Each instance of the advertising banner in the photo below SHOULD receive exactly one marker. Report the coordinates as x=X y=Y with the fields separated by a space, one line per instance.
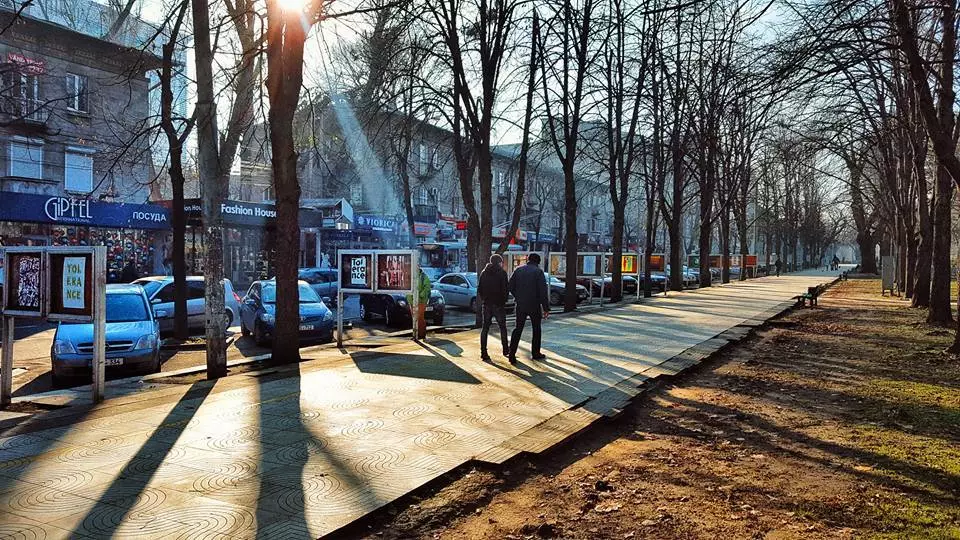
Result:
x=356 y=271
x=558 y=264
x=629 y=263
x=23 y=283
x=394 y=271
x=588 y=264
x=658 y=263
x=751 y=260
x=71 y=284
x=28 y=207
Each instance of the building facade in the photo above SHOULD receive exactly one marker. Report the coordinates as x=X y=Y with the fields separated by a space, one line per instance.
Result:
x=74 y=166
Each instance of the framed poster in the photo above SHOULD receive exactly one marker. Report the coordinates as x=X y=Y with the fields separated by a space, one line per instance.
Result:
x=588 y=264
x=357 y=270
x=71 y=285
x=394 y=271
x=23 y=282
x=657 y=263
x=629 y=264
x=558 y=264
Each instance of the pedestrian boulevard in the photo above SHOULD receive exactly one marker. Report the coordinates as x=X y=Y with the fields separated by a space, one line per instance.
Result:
x=301 y=451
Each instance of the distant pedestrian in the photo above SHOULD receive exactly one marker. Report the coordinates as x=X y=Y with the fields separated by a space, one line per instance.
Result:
x=423 y=298
x=492 y=290
x=778 y=265
x=129 y=273
x=529 y=287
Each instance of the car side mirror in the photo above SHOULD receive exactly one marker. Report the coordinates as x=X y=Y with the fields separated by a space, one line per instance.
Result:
x=160 y=313
x=156 y=301
x=326 y=300
x=250 y=301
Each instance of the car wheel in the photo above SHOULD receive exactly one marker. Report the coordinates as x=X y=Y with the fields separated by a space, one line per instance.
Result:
x=243 y=329
x=364 y=314
x=438 y=320
x=258 y=336
x=57 y=381
x=473 y=305
x=555 y=298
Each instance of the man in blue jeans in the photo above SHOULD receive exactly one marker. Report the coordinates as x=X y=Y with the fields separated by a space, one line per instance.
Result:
x=492 y=292
x=529 y=287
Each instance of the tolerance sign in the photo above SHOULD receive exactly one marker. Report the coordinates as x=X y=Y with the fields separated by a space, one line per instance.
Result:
x=358 y=271
x=74 y=277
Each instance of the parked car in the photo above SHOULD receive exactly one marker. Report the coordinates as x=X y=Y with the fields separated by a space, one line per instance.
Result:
x=159 y=290
x=690 y=279
x=558 y=288
x=133 y=337
x=630 y=285
x=393 y=309
x=459 y=289
x=324 y=281
x=258 y=313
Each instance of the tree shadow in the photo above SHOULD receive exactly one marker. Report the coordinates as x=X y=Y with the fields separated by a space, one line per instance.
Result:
x=127 y=487
x=435 y=367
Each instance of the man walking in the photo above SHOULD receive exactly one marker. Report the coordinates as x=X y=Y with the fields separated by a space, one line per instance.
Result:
x=492 y=292
x=778 y=266
x=529 y=288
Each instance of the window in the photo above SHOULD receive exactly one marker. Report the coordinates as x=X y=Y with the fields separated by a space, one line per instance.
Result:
x=22 y=95
x=165 y=294
x=557 y=220
x=422 y=165
x=77 y=92
x=78 y=170
x=195 y=290
x=501 y=183
x=456 y=207
x=268 y=193
x=423 y=197
x=126 y=308
x=594 y=224
x=356 y=194
x=26 y=158
x=437 y=160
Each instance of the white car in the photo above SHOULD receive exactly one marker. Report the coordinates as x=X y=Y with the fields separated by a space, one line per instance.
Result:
x=159 y=290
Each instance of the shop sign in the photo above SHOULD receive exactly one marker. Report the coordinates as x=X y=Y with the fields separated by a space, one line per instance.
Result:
x=376 y=223
x=424 y=229
x=28 y=207
x=25 y=65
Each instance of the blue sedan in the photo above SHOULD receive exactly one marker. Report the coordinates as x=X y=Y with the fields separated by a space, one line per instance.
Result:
x=133 y=337
x=258 y=313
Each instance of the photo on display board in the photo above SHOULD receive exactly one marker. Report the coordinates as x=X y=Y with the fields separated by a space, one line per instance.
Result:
x=590 y=265
x=25 y=281
x=394 y=272
x=558 y=264
x=356 y=271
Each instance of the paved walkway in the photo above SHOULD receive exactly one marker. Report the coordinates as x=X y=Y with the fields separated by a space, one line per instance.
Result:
x=299 y=452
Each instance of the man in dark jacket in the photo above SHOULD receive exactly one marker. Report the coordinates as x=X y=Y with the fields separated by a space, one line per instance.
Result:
x=492 y=292
x=529 y=287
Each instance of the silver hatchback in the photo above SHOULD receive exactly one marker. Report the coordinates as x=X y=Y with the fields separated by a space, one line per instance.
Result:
x=159 y=290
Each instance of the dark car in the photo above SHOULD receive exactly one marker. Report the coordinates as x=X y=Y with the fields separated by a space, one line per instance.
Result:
x=324 y=281
x=258 y=313
x=393 y=310
x=630 y=285
x=558 y=289
x=133 y=338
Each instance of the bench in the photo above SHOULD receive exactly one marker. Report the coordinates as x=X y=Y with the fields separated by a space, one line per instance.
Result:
x=811 y=296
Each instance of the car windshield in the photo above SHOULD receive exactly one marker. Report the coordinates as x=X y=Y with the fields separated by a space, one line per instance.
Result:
x=472 y=278
x=307 y=295
x=149 y=286
x=126 y=307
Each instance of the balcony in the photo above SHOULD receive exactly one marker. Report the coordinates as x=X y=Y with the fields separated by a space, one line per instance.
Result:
x=24 y=110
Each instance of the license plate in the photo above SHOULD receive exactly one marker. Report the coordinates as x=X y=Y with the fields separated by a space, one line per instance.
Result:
x=304 y=327
x=114 y=362
x=429 y=308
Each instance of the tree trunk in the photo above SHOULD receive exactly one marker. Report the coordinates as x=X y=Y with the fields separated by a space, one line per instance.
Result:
x=212 y=191
x=570 y=240
x=940 y=279
x=286 y=34
x=725 y=247
x=178 y=220
x=706 y=239
x=616 y=270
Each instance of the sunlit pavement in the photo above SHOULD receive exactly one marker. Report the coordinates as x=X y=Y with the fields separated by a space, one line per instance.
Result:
x=301 y=451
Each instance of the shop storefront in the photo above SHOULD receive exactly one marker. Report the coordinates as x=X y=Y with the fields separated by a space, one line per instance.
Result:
x=131 y=232
x=248 y=239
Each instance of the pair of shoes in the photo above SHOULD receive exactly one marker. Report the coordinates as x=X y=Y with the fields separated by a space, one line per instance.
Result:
x=485 y=357
x=539 y=357
x=513 y=359
x=506 y=352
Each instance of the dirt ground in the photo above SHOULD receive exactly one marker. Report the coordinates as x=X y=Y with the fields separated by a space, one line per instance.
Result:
x=836 y=422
